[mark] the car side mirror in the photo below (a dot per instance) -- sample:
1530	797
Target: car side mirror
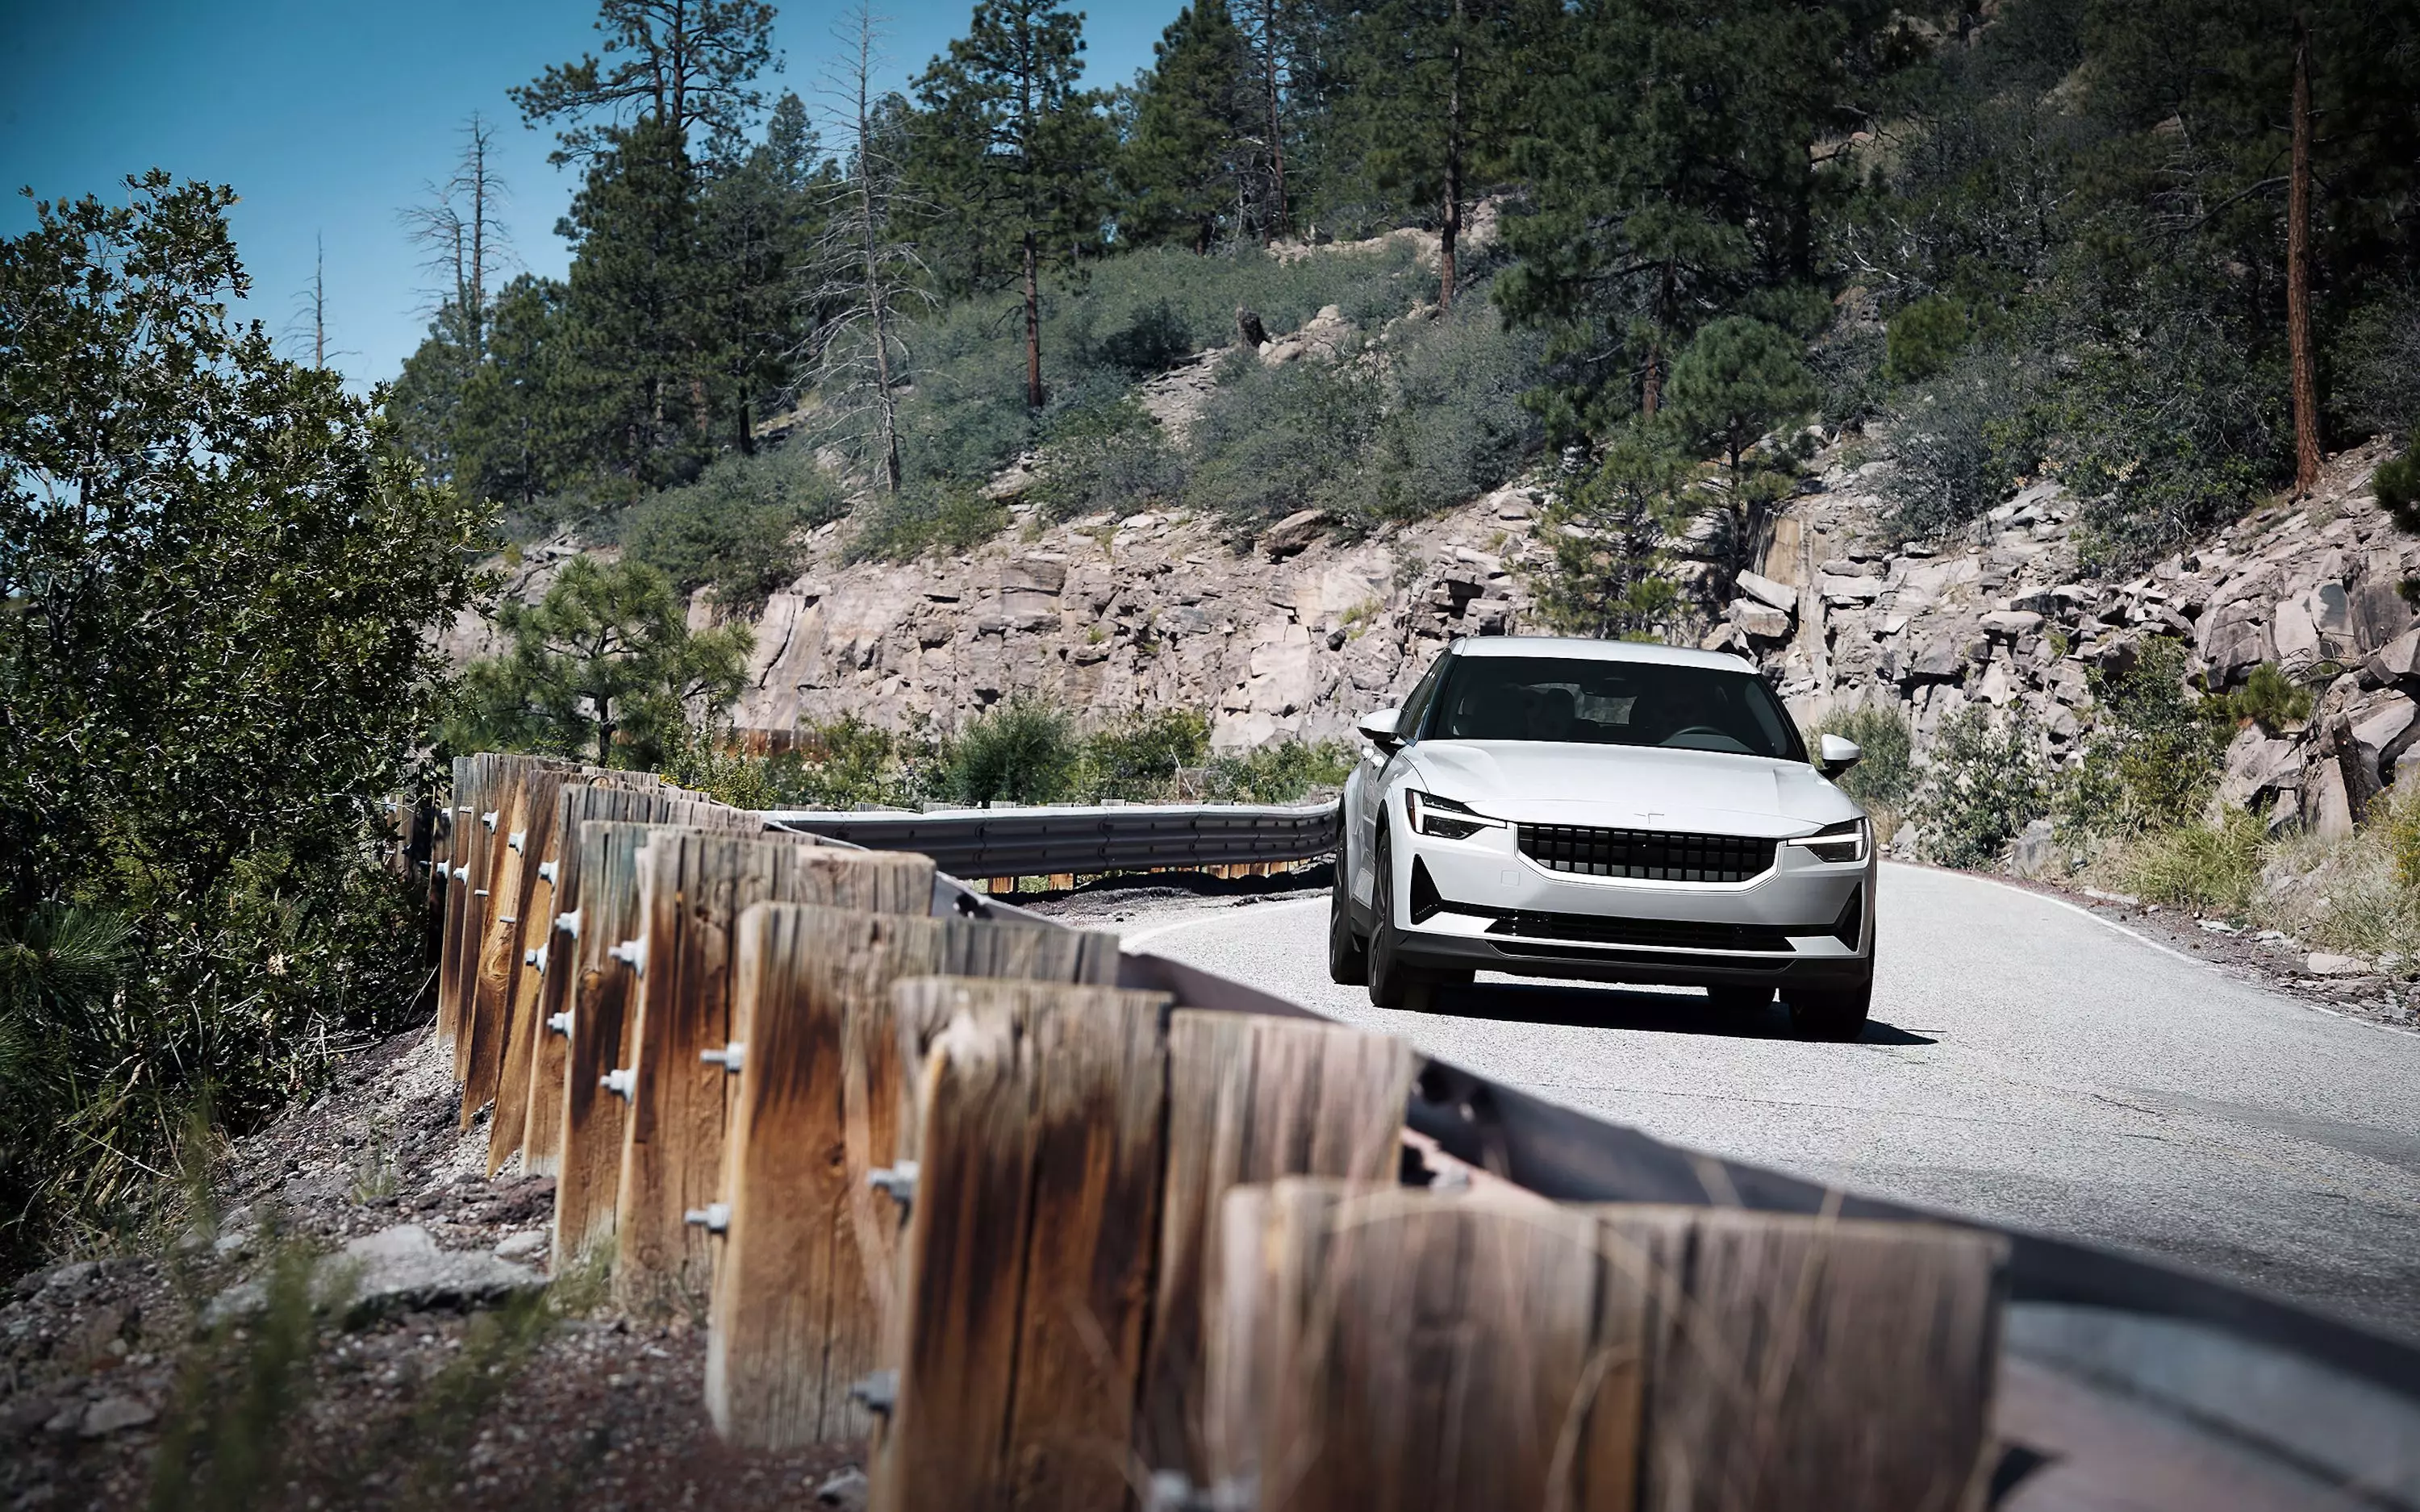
1379	729
1836	754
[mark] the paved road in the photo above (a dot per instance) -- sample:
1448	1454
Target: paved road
2027	1063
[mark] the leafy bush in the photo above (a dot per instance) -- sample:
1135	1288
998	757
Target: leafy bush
2214	868
1140	757
1280	772
1277	440
1435	418
2397	485
1105	456
2379	359
734	530
1884	779
1022	752
221	582
1924	337
1963	439
930	516
2152	760
1985	782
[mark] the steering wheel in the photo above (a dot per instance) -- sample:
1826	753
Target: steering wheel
1698	730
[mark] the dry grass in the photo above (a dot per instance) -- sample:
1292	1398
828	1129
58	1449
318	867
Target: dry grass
2360	896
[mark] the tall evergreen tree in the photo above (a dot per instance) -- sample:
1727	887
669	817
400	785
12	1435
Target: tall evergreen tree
1186	173
759	220
641	357
1011	144
1437	91
1671	176
688	64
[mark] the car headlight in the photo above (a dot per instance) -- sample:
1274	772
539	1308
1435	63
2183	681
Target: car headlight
1844	842
1443	817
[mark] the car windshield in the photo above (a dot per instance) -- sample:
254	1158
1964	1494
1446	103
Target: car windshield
1613	704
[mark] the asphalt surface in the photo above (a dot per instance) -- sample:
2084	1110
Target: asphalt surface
2027	1063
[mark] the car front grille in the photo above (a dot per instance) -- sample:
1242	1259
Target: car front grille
1650	854
1650	934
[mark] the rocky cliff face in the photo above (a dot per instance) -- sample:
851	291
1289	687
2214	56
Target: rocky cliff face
1296	636
2002	618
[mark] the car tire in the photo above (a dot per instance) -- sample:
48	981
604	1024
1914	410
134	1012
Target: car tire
1348	954
1838	1014
1740	999
1394	981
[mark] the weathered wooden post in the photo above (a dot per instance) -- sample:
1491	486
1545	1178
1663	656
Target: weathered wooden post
1018	1338
692	888
1393	1350
1251	1098
810	1255
548	848
526	829
471	775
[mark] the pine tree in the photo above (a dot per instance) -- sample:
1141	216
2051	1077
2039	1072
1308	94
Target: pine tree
640	354
759	220
687	64
1186	173
1609	574
1009	143
1671	177
1436	101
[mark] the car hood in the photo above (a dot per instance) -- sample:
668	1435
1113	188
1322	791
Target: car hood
1630	787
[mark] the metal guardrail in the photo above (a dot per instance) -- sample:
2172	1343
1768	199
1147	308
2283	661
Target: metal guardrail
1011	842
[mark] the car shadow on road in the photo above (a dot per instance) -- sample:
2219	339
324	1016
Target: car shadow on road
1617	1007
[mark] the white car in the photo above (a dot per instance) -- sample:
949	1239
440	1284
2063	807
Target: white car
1609	812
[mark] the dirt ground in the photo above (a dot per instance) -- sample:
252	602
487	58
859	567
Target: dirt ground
539	1403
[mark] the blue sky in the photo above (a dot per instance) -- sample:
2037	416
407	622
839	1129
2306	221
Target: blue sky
328	117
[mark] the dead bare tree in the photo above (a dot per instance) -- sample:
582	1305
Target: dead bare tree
310	321
863	273
457	223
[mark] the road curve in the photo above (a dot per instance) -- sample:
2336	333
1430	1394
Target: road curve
2029	1063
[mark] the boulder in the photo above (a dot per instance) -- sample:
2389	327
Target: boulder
2398	660
2380	614
2035	853
1849	589
2383	726
1034	575
2335	965
394	1269
2234	638
1760	618
2256	764
2295	636
1941	660
2009	624
1765	591
1293	534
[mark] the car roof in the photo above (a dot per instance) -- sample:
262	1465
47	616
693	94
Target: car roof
1580	649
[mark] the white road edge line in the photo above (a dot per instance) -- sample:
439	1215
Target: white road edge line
1127	942
2210	966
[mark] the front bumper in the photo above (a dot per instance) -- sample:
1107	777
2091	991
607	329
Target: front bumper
1481	905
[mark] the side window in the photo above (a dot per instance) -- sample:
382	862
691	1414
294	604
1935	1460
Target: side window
1415	708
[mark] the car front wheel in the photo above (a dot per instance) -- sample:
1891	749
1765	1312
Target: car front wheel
1835	1014
1348	957
1395	982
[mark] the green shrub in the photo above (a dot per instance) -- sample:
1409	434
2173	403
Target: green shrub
2397	485
2214	868
1985	782
1924	337
1110	455
929	518
1963	438
1022	752
1137	760
2269	698
1282	772
2359	894
1275	440
734	530
1885	779
2152	760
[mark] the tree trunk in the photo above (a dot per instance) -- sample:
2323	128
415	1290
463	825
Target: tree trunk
2307	456
1277	136
1032	324
1450	222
